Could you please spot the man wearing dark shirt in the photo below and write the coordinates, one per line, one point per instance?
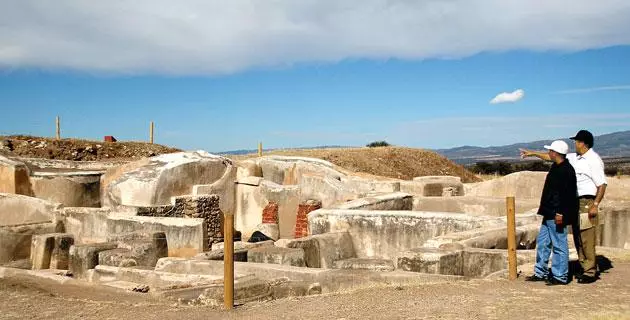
(559, 207)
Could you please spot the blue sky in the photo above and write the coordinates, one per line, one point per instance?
(331, 94)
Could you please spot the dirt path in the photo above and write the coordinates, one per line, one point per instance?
(609, 298)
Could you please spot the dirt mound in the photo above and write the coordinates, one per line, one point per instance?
(394, 162)
(77, 149)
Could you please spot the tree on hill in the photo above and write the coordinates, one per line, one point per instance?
(378, 144)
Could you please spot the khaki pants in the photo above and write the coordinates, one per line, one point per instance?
(588, 239)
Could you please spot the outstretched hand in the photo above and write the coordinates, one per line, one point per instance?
(524, 153)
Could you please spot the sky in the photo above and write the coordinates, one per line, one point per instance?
(224, 75)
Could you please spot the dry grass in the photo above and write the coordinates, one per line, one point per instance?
(394, 162)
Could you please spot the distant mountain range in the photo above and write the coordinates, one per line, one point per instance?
(612, 145)
(250, 151)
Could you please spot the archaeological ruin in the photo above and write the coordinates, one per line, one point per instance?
(302, 226)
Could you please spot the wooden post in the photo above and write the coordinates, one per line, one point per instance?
(151, 132)
(58, 128)
(511, 236)
(260, 149)
(228, 261)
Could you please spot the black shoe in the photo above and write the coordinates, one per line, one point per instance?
(535, 278)
(584, 279)
(555, 282)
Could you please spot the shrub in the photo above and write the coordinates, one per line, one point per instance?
(378, 144)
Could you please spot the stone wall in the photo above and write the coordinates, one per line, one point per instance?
(205, 207)
(382, 234)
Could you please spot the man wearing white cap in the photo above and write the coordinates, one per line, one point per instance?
(559, 208)
(591, 187)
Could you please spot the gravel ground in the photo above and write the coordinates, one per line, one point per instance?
(609, 298)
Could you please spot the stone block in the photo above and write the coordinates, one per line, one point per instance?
(60, 256)
(145, 247)
(244, 291)
(14, 177)
(277, 255)
(434, 186)
(153, 181)
(185, 237)
(85, 256)
(285, 289)
(431, 260)
(271, 230)
(146, 253)
(240, 250)
(322, 250)
(41, 249)
(71, 189)
(390, 201)
(117, 258)
(365, 264)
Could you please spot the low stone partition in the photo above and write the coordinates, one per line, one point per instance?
(471, 205)
(616, 230)
(19, 209)
(391, 201)
(434, 186)
(15, 241)
(185, 237)
(383, 234)
(88, 225)
(330, 280)
(468, 262)
(14, 177)
(72, 189)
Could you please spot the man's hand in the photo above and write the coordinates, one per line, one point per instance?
(525, 153)
(593, 211)
(558, 219)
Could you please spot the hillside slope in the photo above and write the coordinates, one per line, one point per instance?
(77, 149)
(393, 162)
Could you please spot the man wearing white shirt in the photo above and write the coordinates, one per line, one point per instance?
(591, 186)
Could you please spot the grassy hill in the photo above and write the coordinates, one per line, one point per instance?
(394, 162)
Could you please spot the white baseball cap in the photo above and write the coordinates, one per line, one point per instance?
(559, 146)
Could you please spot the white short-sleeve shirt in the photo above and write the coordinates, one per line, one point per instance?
(589, 171)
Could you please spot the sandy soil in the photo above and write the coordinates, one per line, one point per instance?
(609, 298)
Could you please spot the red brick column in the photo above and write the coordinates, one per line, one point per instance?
(270, 213)
(301, 222)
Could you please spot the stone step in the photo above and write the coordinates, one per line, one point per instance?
(157, 280)
(127, 286)
(365, 264)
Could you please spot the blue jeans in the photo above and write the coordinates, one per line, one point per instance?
(552, 236)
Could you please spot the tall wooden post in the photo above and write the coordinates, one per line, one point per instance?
(511, 236)
(260, 149)
(151, 127)
(228, 261)
(58, 128)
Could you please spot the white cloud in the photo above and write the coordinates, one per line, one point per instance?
(217, 37)
(504, 97)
